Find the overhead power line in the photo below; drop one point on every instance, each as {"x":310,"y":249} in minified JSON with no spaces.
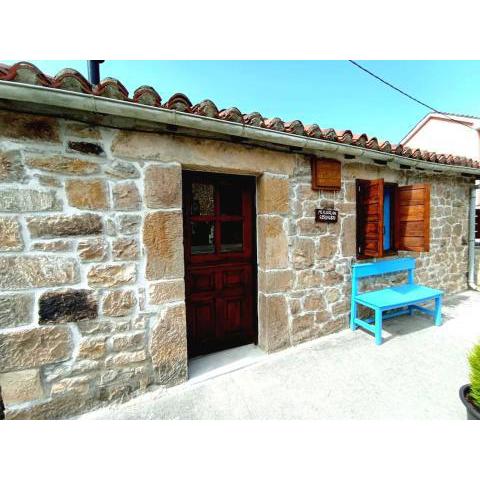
{"x":408,"y":95}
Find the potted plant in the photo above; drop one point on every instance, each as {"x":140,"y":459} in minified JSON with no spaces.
{"x":470,"y":393}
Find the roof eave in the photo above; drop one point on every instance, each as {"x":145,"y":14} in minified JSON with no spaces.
{"x":48,"y":99}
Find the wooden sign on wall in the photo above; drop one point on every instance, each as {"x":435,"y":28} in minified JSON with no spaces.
{"x":326,"y":174}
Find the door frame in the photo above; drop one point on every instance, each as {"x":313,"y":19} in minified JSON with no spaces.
{"x":203,"y":259}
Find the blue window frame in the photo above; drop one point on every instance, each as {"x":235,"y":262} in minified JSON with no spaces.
{"x":387,"y":217}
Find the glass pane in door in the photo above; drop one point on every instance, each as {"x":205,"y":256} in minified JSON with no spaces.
{"x":203,"y":237}
{"x":230,"y":200}
{"x":232,"y":237}
{"x":203,"y":199}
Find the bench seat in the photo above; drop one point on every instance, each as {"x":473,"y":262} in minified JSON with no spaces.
{"x":395,"y":298}
{"x":400,"y":296}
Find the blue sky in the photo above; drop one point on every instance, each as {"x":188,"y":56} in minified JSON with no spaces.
{"x":331,"y":93}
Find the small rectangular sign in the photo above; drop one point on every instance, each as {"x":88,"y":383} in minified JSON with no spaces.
{"x":326,"y":215}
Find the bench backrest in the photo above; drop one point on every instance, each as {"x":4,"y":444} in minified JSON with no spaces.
{"x":362,"y":270}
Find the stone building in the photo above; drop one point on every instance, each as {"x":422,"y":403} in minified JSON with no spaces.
{"x":136,"y":232}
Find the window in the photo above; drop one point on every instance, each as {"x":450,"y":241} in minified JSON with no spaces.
{"x":392,"y":218}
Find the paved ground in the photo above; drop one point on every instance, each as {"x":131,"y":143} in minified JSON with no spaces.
{"x":415,"y":374}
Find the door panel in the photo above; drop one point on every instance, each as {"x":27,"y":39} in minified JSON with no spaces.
{"x":220,"y":261}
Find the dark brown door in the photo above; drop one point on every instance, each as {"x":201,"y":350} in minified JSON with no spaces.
{"x":220,"y":276}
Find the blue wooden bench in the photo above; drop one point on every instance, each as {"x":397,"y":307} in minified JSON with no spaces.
{"x":396,"y":298}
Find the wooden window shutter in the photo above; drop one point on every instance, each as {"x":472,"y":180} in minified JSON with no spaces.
{"x":326,"y":174}
{"x":412,"y":224}
{"x":370,"y":218}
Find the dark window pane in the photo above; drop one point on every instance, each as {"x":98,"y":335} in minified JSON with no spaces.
{"x":203,"y":238}
{"x":232,"y":236}
{"x":230,"y":200}
{"x":203,"y":199}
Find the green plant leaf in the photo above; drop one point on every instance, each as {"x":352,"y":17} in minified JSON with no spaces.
{"x":474,"y":360}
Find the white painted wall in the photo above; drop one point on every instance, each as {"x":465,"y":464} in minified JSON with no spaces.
{"x":442,"y":135}
{"x":445,"y":136}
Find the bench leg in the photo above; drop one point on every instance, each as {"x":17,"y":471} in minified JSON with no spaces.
{"x":378,"y":326}
{"x":438,"y":311}
{"x":353,"y":316}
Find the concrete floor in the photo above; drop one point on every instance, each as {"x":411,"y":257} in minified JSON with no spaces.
{"x":415,"y":374}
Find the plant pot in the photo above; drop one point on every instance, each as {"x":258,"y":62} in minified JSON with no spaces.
{"x":473,"y":412}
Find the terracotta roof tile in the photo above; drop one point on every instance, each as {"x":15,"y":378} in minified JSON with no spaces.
{"x":254,"y":119}
{"x":275,"y":124}
{"x":295,"y":127}
{"x":231,"y":114}
{"x":147,"y":96}
{"x":313,"y":131}
{"x":329,"y":134}
{"x":179,"y":102}
{"x":111,"y":88}
{"x":71,"y":80}
{"x":345,"y":136}
{"x":206,"y":108}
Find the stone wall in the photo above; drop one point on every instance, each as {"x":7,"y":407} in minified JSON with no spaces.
{"x":92,"y":296}
{"x":91,"y":269}
{"x":321,"y":254}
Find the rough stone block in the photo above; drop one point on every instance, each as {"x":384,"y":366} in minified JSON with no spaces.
{"x":126,"y":196}
{"x":125,"y":249}
{"x":128,"y":341}
{"x":74,"y":385}
{"x":81,"y":130}
{"x":61,"y":306}
{"x":167,"y":291}
{"x":200,"y":153}
{"x":163,"y":186}
{"x":314,"y":302}
{"x":349,"y":235}
{"x":88,"y":148}
{"x":129,"y":224}
{"x":93,"y":250}
{"x":272,"y":243}
{"x":168,"y":346}
{"x":11,"y":167}
{"x":27,"y":200}
{"x":273,"y":194}
{"x":28,"y":348}
{"x":273,"y":331}
{"x":87,"y":194}
{"x":22,"y":386}
{"x":48,"y":181}
{"x":122,"y":170}
{"x":112,"y":275}
{"x":17,"y":272}
{"x":55,"y":246}
{"x":303,"y":327}
{"x":58,"y":407}
{"x":328,"y":246}
{"x":119,"y":303}
{"x":92,"y":348}
{"x":64,"y":225}
{"x":273,"y":281}
{"x":29,"y":127}
{"x":162,"y":237}
{"x":123,"y":359}
{"x":16,"y":309}
{"x":61,"y":164}
{"x":10,"y":235}
{"x":303,"y":253}
{"x":309,"y":278}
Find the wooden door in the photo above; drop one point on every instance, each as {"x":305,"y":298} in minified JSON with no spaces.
{"x":220,"y":261}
